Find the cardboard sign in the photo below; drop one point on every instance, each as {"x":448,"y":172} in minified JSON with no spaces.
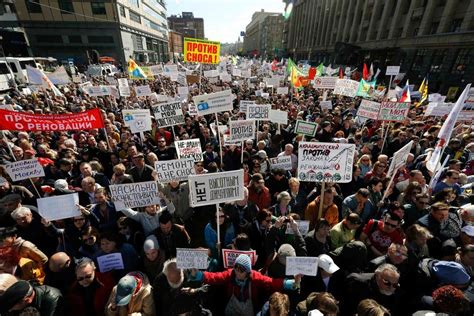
{"x":303,"y":227}
{"x":131,"y":195}
{"x":201,"y":51}
{"x":393,"y":111}
{"x":392,"y":70}
{"x":301,"y":265}
{"x":325,"y":105}
{"x":279,"y":117}
{"x":59,"y":207}
{"x":24,"y":169}
{"x":168,"y":114}
{"x":306,"y":128}
{"x":137,"y":120}
{"x":325,"y":82}
{"x":282,"y":90}
{"x":230,"y":255}
{"x":369,"y":109}
{"x":189,"y":148}
{"x":258,"y":111}
{"x":346,"y":87}
{"x":191,"y":258}
{"x":174,"y":170}
{"x":399,"y":158}
{"x":331,"y":162}
{"x":210,"y":189}
{"x":241,"y":130}
{"x":143,"y":91}
{"x":281,"y":162}
{"x":244,"y":105}
{"x":214,"y":102}
{"x":112,"y":261}
{"x":438,"y":109}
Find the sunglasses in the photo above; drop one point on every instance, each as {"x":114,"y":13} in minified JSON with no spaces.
{"x":388,"y":283}
{"x":87,"y":277}
{"x":390,"y":224}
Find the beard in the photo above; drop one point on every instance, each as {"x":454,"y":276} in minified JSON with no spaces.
{"x":175,"y":285}
{"x":386,"y":292}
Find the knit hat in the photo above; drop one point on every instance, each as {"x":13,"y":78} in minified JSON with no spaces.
{"x":449,"y":272}
{"x":244,"y":261}
{"x":20,"y":212}
{"x":285,"y":250}
{"x":13,"y":295}
{"x":151,"y":243}
{"x":125,"y":289}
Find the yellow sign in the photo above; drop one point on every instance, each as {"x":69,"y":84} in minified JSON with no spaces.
{"x":201,"y":51}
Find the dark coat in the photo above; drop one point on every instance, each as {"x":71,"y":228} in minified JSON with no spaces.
{"x":145,"y":176}
{"x":179,"y":239}
{"x":48,"y":301}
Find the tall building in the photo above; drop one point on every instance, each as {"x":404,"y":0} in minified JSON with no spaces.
{"x":434,"y":37}
{"x":187,"y":25}
{"x":264,"y":35}
{"x":83,"y":30}
{"x":175,"y":45}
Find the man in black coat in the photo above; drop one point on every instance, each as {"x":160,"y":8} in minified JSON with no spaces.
{"x":141,"y":172}
{"x":171,"y":236}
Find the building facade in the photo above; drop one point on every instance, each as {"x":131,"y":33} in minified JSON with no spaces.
{"x":424,"y":37}
{"x":264,"y":35}
{"x":187,"y":25}
{"x":175,"y":45}
{"x":84,"y":30}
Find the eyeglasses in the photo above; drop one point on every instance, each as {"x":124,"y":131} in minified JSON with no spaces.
{"x":388,"y":283}
{"x":87,"y":277}
{"x":390,"y":224}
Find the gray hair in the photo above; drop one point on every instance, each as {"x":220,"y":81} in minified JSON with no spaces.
{"x":283,"y":194}
{"x":83,"y":262}
{"x":387,"y":266}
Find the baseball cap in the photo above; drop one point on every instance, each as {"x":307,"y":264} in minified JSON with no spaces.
{"x":327,"y":264}
{"x":125,"y":289}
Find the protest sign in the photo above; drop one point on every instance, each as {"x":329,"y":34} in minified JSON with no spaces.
{"x":189,"y":148}
{"x":156,"y":70}
{"x":228,"y":142}
{"x":182,"y":79}
{"x":272,"y":82}
{"x":114,"y":91}
{"x":167,"y":69}
{"x":192,"y":79}
{"x":111,"y":81}
{"x":229,"y":256}
{"x":369,"y":109}
{"x":301,"y":265}
{"x":241,"y":130}
{"x":59,"y":76}
{"x":393,"y":111}
{"x":392,"y":70}
{"x":201,"y":51}
{"x":124,"y":89}
{"x":191,"y":258}
{"x":438,"y":109}
{"x":174,"y":170}
{"x":281,"y":162}
{"x":346,"y":87}
{"x":436,"y":97}
{"x":366,"y":89}
{"x":282,"y":90}
{"x":244,"y":104}
{"x":330,"y":162}
{"x":183,"y":91}
{"x":325,"y":82}
{"x":214,"y":102}
{"x":236,"y":72}
{"x":258,"y":111}
{"x":225,"y":77}
{"x":24,"y":169}
{"x":211,"y":73}
{"x":131,"y":195}
{"x":97,"y":91}
{"x":143,"y":91}
{"x":305,"y":128}
{"x":59,"y":207}
{"x":209,"y":189}
{"x":112,"y":261}
{"x":246,"y":73}
{"x":279,"y":117}
{"x":399,"y":158}
{"x":303,"y":227}
{"x":168,"y":114}
{"x":137,"y":120}
{"x":22,"y":121}
{"x":325,"y":105}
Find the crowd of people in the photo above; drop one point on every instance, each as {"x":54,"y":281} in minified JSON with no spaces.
{"x":384,"y":247}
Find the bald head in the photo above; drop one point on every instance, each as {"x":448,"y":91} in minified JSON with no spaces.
{"x":59,"y":262}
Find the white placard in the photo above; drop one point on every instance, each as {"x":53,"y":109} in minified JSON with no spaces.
{"x":306,"y":128}
{"x":241,"y":130}
{"x":258,"y":111}
{"x":225,"y":77}
{"x":189,"y":148}
{"x":279,"y":117}
{"x":346,"y":87}
{"x":174,"y":170}
{"x":301,"y":265}
{"x":325,"y":105}
{"x":244,"y":105}
{"x":392,"y":70}
{"x":228,"y":142}
{"x":230,"y":255}
{"x":272,"y":82}
{"x":191,"y":258}
{"x":168,"y":114}
{"x":246,"y":73}
{"x":59,"y":207}
{"x":369,"y":109}
{"x":156,"y":69}
{"x":282,"y":90}
{"x":131,"y":195}
{"x":393,"y":111}
{"x":303,"y":227}
{"x":211,"y":73}
{"x":210,"y":189}
{"x":182,"y":79}
{"x":112,"y":261}
{"x":436,"y":97}
{"x":137,"y":120}
{"x":281,"y":162}
{"x":124,"y":91}
{"x":399,"y":158}
{"x":143,"y":91}
{"x":183,"y":91}
{"x":170,"y":68}
{"x":24,"y":169}
{"x":236,"y":72}
{"x":330,"y":162}
{"x":213,"y":102}
{"x":438,"y":109}
{"x":96,"y":91}
{"x":325,"y":82}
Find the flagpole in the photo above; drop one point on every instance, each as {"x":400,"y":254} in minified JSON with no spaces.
{"x":390,"y":84}
{"x":385,"y":137}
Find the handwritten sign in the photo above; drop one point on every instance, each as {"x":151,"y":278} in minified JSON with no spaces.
{"x":189,"y":148}
{"x":306,"y":128}
{"x":174,"y":170}
{"x":325,"y":82}
{"x":279,"y":117}
{"x":281,"y":162}
{"x":59,"y":207}
{"x":244,"y":105}
{"x":214,"y":102}
{"x":399,"y":158}
{"x":113,"y":261}
{"x":131,"y":195}
{"x":24,"y":169}
{"x":168,"y":114}
{"x":325,"y":105}
{"x":241,"y":130}
{"x":393,"y":111}
{"x":230,"y":255}
{"x":258,"y":111}
{"x":124,"y":89}
{"x":282,"y":90}
{"x":191,"y":258}
{"x":210,"y":189}
{"x":301,"y":265}
{"x":331,"y":162}
{"x":346,"y":87}
{"x":369,"y":109}
{"x":143,"y":91}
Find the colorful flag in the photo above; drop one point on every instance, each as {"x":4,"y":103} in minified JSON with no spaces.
{"x":423,"y":91}
{"x":366,"y":89}
{"x":405,"y":94}
{"x":320,"y":70}
{"x":365,"y":72}
{"x":37,"y":77}
{"x":371,"y":72}
{"x":377,"y":73}
{"x":341,"y":73}
{"x":295,"y":74}
{"x":134,"y":71}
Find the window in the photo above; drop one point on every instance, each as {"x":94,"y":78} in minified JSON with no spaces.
{"x":75,"y":39}
{"x":419,"y":59}
{"x":30,"y":63}
{"x":134,"y":3}
{"x":4,"y":69}
{"x":122,"y":11}
{"x":438,"y":60}
{"x":97,"y":39}
{"x":462,"y":60}
{"x":98,"y":8}
{"x":137,"y":42}
{"x":434,"y":27}
{"x":66,"y":6}
{"x":33,"y":6}
{"x":13,"y":66}
{"x":49,"y":39}
{"x":134,"y":16}
{"x":456,"y":26}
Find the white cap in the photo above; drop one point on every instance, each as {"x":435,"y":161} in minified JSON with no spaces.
{"x":468,"y":230}
{"x":327,"y":264}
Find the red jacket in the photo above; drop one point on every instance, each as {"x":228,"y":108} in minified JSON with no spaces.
{"x":262,"y":286}
{"x":262,"y":199}
{"x":75,"y":299}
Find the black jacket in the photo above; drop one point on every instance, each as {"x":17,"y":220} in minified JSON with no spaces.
{"x":178,"y":238}
{"x":48,"y":301}
{"x":146,"y":175}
